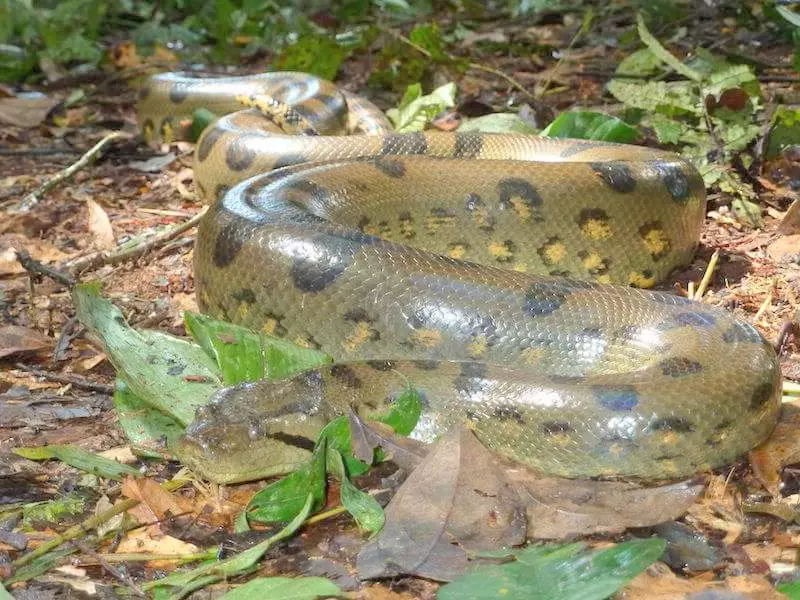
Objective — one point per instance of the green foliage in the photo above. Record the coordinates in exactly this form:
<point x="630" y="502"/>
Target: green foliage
<point x="53" y="512"/>
<point x="80" y="459"/>
<point x="312" y="53"/>
<point x="564" y="571"/>
<point x="284" y="588"/>
<point x="785" y="131"/>
<point x="416" y="111"/>
<point x="589" y="125"/>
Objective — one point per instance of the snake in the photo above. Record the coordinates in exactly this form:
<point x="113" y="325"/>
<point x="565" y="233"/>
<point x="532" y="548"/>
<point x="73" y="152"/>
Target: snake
<point x="502" y="277"/>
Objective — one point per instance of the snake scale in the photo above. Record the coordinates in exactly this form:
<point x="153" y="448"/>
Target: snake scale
<point x="499" y="275"/>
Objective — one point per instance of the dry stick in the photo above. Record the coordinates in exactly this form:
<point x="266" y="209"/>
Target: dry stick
<point x="109" y="568"/>
<point x="74" y="380"/>
<point x="34" y="267"/>
<point x="510" y="80"/>
<point x="32" y="199"/>
<point x="712" y="264"/>
<point x="119" y="255"/>
<point x="76" y="531"/>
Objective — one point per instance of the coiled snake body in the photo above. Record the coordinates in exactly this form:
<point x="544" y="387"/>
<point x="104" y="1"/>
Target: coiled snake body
<point x="472" y="266"/>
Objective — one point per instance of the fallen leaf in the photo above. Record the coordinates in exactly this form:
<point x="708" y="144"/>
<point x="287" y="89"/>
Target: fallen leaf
<point x="104" y="504"/>
<point x="146" y="540"/>
<point x="15" y="340"/>
<point x="160" y="502"/>
<point x="781" y="449"/>
<point x="660" y="583"/>
<point x="39" y="249"/>
<point x="26" y="112"/>
<point x="100" y="226"/>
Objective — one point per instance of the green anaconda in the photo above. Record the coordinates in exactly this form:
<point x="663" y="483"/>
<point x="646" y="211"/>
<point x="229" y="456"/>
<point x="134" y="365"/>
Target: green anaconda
<point x="475" y="267"/>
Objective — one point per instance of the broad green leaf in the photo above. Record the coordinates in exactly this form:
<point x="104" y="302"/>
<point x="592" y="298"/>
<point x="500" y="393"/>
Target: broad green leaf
<point x="201" y="118"/>
<point x="429" y="37"/>
<point x="747" y="212"/>
<point x="239" y="564"/>
<point x="791" y="16"/>
<point x="498" y="123"/>
<point x="319" y="55"/>
<point x="284" y="588"/>
<point x="791" y="590"/>
<point x="641" y="62"/>
<point x="735" y="76"/>
<point x="4" y="595"/>
<point x="284" y="499"/>
<point x="566" y="572"/>
<point x="668" y="131"/>
<point x="662" y="53"/>
<point x="785" y="131"/>
<point x="405" y="412"/>
<point x="245" y="355"/>
<point x="416" y="111"/>
<point x="337" y="434"/>
<point x="40" y="565"/>
<point x="53" y="512"/>
<point x="150" y="432"/>
<point x="658" y="96"/>
<point x="589" y="125"/>
<point x="364" y="508"/>
<point x="169" y="374"/>
<point x="80" y="459"/>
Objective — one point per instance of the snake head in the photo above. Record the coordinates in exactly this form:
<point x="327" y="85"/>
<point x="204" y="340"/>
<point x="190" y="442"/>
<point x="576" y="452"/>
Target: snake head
<point x="252" y="431"/>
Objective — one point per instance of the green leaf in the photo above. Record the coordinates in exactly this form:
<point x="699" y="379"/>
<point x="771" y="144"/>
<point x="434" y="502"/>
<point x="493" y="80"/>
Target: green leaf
<point x="364" y="508"/>
<point x="785" y="131"/>
<point x="429" y="37"/>
<point x="39" y="565"/>
<point x="149" y="431"/>
<point x="566" y="572"/>
<point x="80" y="459"/>
<point x="171" y="375"/>
<point x="201" y="118"/>
<point x="242" y="563"/>
<point x="641" y="62"/>
<point x="746" y="212"/>
<point x="791" y="590"/>
<point x="405" y="412"/>
<point x="668" y="131"/>
<point x="416" y="111"/>
<point x="245" y="355"/>
<point x="790" y="16"/>
<point x="662" y="53"/>
<point x="53" y="512"/>
<point x="732" y="77"/>
<point x="590" y="125"/>
<point x="337" y="434"/>
<point x="284" y="588"/>
<point x="4" y="595"/>
<point x="284" y="499"/>
<point x="312" y="53"/>
<point x="498" y="123"/>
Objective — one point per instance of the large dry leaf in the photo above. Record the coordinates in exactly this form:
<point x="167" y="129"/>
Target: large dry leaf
<point x="15" y="339"/>
<point x="780" y="450"/>
<point x="160" y="502"/>
<point x="463" y="493"/>
<point x="25" y="112"/>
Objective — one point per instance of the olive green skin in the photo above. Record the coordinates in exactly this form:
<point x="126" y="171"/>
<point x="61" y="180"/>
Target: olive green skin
<point x="478" y="268"/>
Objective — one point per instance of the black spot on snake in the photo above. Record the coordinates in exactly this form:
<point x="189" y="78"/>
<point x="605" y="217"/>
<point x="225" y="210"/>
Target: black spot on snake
<point x="210" y="138"/>
<point x="741" y="332"/>
<point x="556" y="428"/>
<point x="346" y="376"/>
<point x="274" y="321"/>
<point x="358" y="314"/>
<point x="298" y="441"/>
<point x="230" y="239"/>
<point x="508" y="413"/>
<point x="565" y="379"/>
<point x="312" y="190"/>
<point x="544" y="298"/>
<point x="468" y="144"/>
<point x="407" y="143"/>
<point x="560" y="273"/>
<point x="761" y="395"/>
<point x="245" y="295"/>
<point x="240" y="154"/>
<point x="380" y="365"/>
<point x="617" y="175"/>
<point x="679" y="366"/>
<point x="514" y="187"/>
<point x="178" y="93"/>
<point x="324" y="257"/>
<point x="675" y="180"/>
<point x="618" y="398"/>
<point x="676" y="424"/>
<point x="471" y="377"/>
<point x="694" y="319"/>
<point x="390" y="167"/>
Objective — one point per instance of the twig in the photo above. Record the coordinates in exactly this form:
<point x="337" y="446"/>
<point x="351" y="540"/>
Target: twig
<point x="583" y="29"/>
<point x="34" y="267"/>
<point x="472" y="65"/>
<point x="712" y="264"/>
<point x="109" y="568"/>
<point x="75" y="531"/>
<point x="75" y="380"/>
<point x="119" y="255"/>
<point x="32" y="199"/>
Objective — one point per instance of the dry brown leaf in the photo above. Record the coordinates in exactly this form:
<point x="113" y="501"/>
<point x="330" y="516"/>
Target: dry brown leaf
<point x="25" y="112"/>
<point x="39" y="249"/>
<point x="660" y="583"/>
<point x="718" y="509"/>
<point x="781" y="449"/>
<point x="100" y="226"/>
<point x="15" y="340"/>
<point x="160" y="502"/>
<point x="147" y="540"/>
<point x="784" y="248"/>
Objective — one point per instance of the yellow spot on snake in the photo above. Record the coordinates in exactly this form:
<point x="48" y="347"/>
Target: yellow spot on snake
<point x="303" y="342"/>
<point x="167" y="132"/>
<point x="242" y="311"/>
<point x="522" y="208"/>
<point x="433" y="223"/>
<point x="596" y="229"/>
<point x="457" y="251"/>
<point x="483" y="219"/>
<point x="532" y="355"/>
<point x="500" y="251"/>
<point x="361" y="334"/>
<point x="147" y="131"/>
<point x="594" y="262"/>
<point x="429" y="338"/>
<point x="669" y="466"/>
<point x="478" y="347"/>
<point x="553" y="253"/>
<point x="670" y="437"/>
<point x="407" y="228"/>
<point x="604" y="278"/>
<point x="270" y="326"/>
<point x="641" y="279"/>
<point x="520" y="267"/>
<point x="656" y="242"/>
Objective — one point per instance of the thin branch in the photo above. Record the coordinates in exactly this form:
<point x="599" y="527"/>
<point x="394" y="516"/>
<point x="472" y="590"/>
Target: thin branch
<point x="123" y="578"/>
<point x="118" y="255"/>
<point x="67" y="378"/>
<point x="32" y="199"/>
<point x="33" y="266"/>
